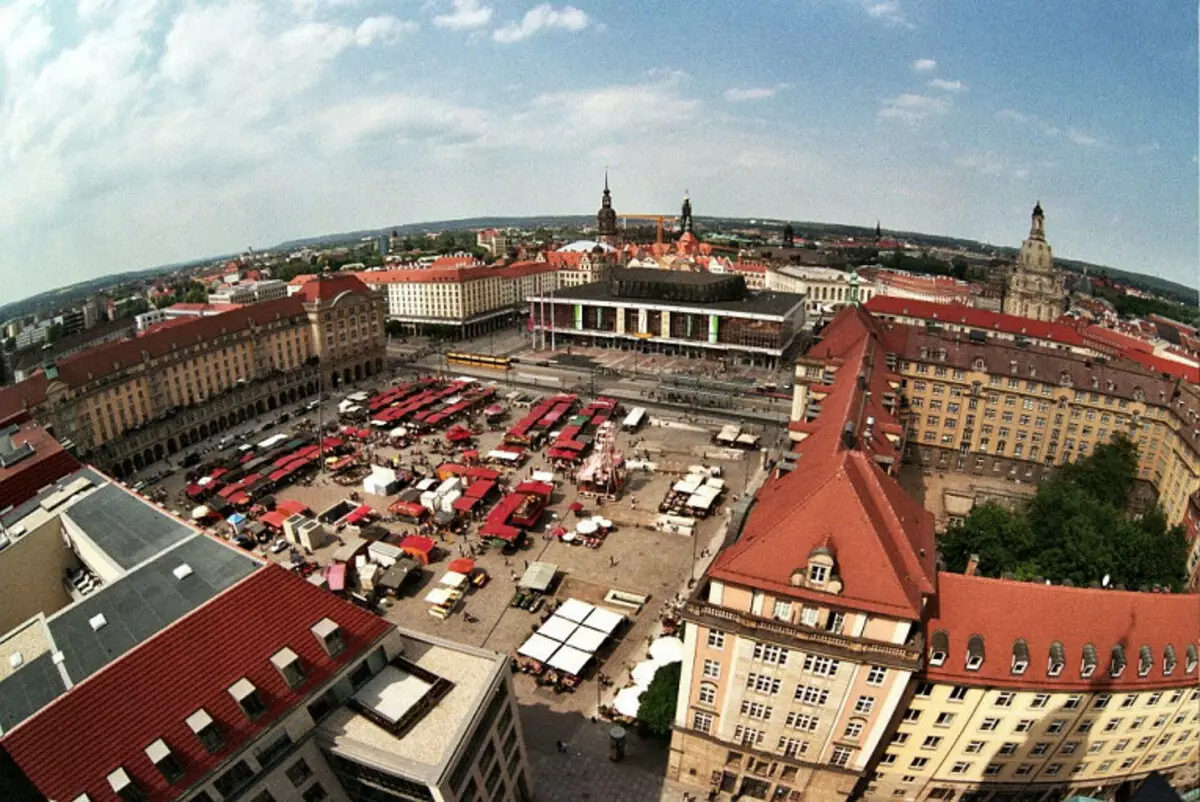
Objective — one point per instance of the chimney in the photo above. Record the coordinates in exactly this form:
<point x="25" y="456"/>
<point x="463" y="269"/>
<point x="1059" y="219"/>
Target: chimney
<point x="972" y="565"/>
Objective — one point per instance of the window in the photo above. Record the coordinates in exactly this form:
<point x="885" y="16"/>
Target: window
<point x="246" y="695"/>
<point x="702" y="722"/>
<point x="1121" y="745"/>
<point x="1039" y="749"/>
<point x="817" y="574"/>
<point x="231" y="781"/>
<point x="769" y="653"/>
<point x="1040" y="701"/>
<point x="1112" y="725"/>
<point x="164" y="760"/>
<point x="1024" y="725"/>
<point x="802" y="721"/>
<point x="756" y="710"/>
<point x="811" y="696"/>
<point x="958" y="693"/>
<point x="708" y="693"/>
<point x="1073" y="702"/>
<point x="288" y="664"/>
<point x="912" y="715"/>
<point x="1005" y="699"/>
<point x="992" y="769"/>
<point x="315" y="793"/>
<point x="1096" y="746"/>
<point x="783" y="611"/>
<point x="924" y="690"/>
<point x="876" y="676"/>
<point x="1009" y="748"/>
<point x="840" y="756"/>
<point x="932" y="742"/>
<point x="299" y="772"/>
<point x="1024" y="769"/>
<point x="712" y="669"/>
<point x="975" y="747"/>
<point x="1056" y="726"/>
<point x="716" y="639"/>
<point x="961" y="767"/>
<point x="989" y="724"/>
<point x="900" y="738"/>
<point x="761" y="683"/>
<point x="865" y="704"/>
<point x="1129" y="700"/>
<point x="330" y="635"/>
<point x="206" y="730"/>
<point x="944" y="720"/>
<point x="854" y="729"/>
<point x="821" y="666"/>
<point x="809" y="616"/>
<point x="918" y="763"/>
<point x="747" y="736"/>
<point x="834" y="622"/>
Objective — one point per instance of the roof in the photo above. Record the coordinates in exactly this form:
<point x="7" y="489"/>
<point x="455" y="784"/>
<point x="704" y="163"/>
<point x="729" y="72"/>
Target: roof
<point x="127" y="529"/>
<point x="327" y="287"/>
<point x="72" y="745"/>
<point x="453" y="275"/>
<point x="959" y="314"/>
<point x="1003" y="611"/>
<point x="35" y="461"/>
<point x="773" y="304"/>
<point x="844" y="502"/>
<point x="585" y="246"/>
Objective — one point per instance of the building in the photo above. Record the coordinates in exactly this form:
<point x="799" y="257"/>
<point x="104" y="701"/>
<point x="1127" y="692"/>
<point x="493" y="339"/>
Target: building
<point x="249" y="292"/>
<point x="30" y="459"/>
<point x="127" y="404"/>
<point x="494" y="240"/>
<point x="32" y="335"/>
<point x="470" y="299"/>
<point x="1035" y="289"/>
<point x="826" y="657"/>
<point x="23" y="364"/>
<point x="697" y="314"/>
<point x="582" y="262"/>
<point x="147" y="319"/>
<point x="826" y="290"/>
<point x="934" y="289"/>
<point x="805" y="631"/>
<point x="606" y="218"/>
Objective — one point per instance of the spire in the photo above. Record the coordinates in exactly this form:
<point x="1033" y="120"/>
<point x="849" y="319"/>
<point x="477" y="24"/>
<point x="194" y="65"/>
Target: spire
<point x="878" y="232"/>
<point x="1037" y="229"/>
<point x="606" y="179"/>
<point x="685" y="216"/>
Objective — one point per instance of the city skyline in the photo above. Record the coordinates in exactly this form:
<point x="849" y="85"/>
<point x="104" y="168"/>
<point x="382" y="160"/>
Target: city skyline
<point x="143" y="133"/>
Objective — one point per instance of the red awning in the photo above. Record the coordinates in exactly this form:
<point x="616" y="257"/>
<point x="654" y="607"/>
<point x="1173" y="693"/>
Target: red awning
<point x="359" y="514"/>
<point x="275" y="476"/>
<point x="193" y="491"/>
<point x="291" y="506"/>
<point x="417" y="543"/>
<point x="274" y="519"/>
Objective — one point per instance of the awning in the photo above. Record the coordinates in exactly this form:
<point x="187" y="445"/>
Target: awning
<point x="605" y="621"/>
<point x="538" y="576"/>
<point x="274" y="519"/>
<point x="575" y="610"/>
<point x="359" y="514"/>
<point x="439" y="596"/>
<point x="538" y="647"/>
<point x="587" y="640"/>
<point x="454" y="579"/>
<point x="570" y="660"/>
<point x="417" y="543"/>
<point x="394" y="577"/>
<point x="463" y="565"/>
<point x="556" y="628"/>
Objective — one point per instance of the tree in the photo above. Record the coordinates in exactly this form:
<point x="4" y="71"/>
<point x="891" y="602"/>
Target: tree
<point x="1078" y="526"/>
<point x="656" y="709"/>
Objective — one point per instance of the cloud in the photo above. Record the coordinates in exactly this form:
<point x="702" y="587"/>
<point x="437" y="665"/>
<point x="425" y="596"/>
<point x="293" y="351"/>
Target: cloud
<point x="467" y="15"/>
<point x="542" y="18"/>
<point x="986" y="163"/>
<point x="924" y="65"/>
<point x="913" y="108"/>
<point x="1149" y="147"/>
<point x="1083" y="139"/>
<point x="754" y="93"/>
<point x="949" y="86"/>
<point x="888" y="12"/>
<point x="1021" y="172"/>
<point x="384" y="28"/>
<point x="1010" y="114"/>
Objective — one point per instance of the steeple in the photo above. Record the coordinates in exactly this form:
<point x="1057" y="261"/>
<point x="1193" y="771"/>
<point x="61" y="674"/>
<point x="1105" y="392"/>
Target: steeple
<point x="685" y="216"/>
<point x="1037" y="229"/>
<point x="606" y="218"/>
<point x="878" y="231"/>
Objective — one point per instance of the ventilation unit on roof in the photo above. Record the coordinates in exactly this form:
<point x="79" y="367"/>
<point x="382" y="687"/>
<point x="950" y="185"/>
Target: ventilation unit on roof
<point x="15" y="659"/>
<point x="182" y="571"/>
<point x="98" y="622"/>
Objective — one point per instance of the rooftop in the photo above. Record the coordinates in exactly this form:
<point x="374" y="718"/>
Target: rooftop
<point x="30" y="458"/>
<point x="149" y="693"/>
<point x="428" y="747"/>
<point x="125" y="528"/>
<point x="968" y="316"/>
<point x="770" y="304"/>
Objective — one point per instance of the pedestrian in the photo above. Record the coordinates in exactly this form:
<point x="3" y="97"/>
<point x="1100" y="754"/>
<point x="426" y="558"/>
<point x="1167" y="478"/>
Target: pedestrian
<point x="612" y="561"/>
<point x="559" y="746"/>
<point x="527" y="565"/>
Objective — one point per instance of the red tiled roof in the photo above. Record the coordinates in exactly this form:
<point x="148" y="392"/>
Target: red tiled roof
<point x="48" y="463"/>
<point x="328" y="287"/>
<point x="454" y="274"/>
<point x="958" y="314"/>
<point x="1003" y="611"/>
<point x="108" y="720"/>
<point x="1174" y="369"/>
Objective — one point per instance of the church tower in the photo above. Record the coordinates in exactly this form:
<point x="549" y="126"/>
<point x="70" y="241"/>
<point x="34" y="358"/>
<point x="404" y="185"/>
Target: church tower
<point x="685" y="216"/>
<point x="606" y="218"/>
<point x="1034" y="288"/>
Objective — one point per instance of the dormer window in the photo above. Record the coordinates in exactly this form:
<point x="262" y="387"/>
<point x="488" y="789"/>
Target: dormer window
<point x="1088" y="666"/>
<point x="164" y="760"/>
<point x="1145" y="661"/>
<point x="939" y="647"/>
<point x="1020" y="659"/>
<point x="1192" y="658"/>
<point x="288" y="664"/>
<point x="330" y="636"/>
<point x="124" y="788"/>
<point x="1168" y="659"/>
<point x="246" y="695"/>
<point x="206" y="730"/>
<point x="1057" y="659"/>
<point x="974" y="652"/>
<point x="817" y="574"/>
<point x="1117" y="667"/>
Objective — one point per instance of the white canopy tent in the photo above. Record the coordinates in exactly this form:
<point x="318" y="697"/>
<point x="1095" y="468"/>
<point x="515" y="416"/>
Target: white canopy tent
<point x="603" y="620"/>
<point x="454" y="579"/>
<point x="587" y="640"/>
<point x="438" y="595"/>
<point x="538" y="647"/>
<point x="644" y="672"/>
<point x="557" y="628"/>
<point x="569" y="659"/>
<point x="575" y="610"/>
<point x="628" y="700"/>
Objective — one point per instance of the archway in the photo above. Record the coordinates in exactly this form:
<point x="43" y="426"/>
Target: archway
<point x="260" y="406"/>
<point x="346" y="374"/>
<point x="137" y="462"/>
<point x="358" y="374"/>
<point x="222" y="422"/>
<point x="172" y="446"/>
<point x="158" y="451"/>
<point x="310" y="388"/>
<point x="378" y="364"/>
<point x="335" y="379"/>
<point x="148" y="456"/>
<point x="117" y="472"/>
<point x="203" y="430"/>
<point x="282" y="398"/>
<point x="368" y="368"/>
<point x="271" y="402"/>
<point x="292" y="394"/>
<point x="193" y="436"/>
<point x="127" y="467"/>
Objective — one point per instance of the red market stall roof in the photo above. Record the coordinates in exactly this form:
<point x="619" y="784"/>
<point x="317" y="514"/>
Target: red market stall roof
<point x="217" y="473"/>
<point x="274" y="519"/>
<point x="291" y="506"/>
<point x="452" y="469"/>
<point x="481" y="472"/>
<point x="193" y="491"/>
<point x="465" y="503"/>
<point x="535" y="489"/>
<point x="276" y="475"/>
<point x="457" y="433"/>
<point x="463" y="565"/>
<point x="239" y="498"/>
<point x="359" y="514"/>
<point x="410" y="509"/>
<point x="420" y="543"/>
<point x="336" y="575"/>
<point x="480" y="489"/>
<point x="471" y="455"/>
<point x="344" y="462"/>
<point x="494" y="410"/>
<point x="333" y="442"/>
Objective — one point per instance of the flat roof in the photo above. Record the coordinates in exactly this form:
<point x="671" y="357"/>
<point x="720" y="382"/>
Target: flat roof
<point x="32" y="508"/>
<point x="35" y="685"/>
<point x="773" y="304"/>
<point x="392" y="693"/>
<point x="425" y="750"/>
<point x="142" y="603"/>
<point x="126" y="528"/>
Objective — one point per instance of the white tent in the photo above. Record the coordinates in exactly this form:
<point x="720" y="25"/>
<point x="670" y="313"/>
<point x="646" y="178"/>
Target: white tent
<point x="438" y="595"/>
<point x="587" y="640"/>
<point x="200" y="512"/>
<point x="543" y="476"/>
<point x="605" y="621"/>
<point x="644" y="672"/>
<point x="538" y="647"/>
<point x="667" y="650"/>
<point x="570" y="660"/>
<point x="575" y="610"/>
<point x="558" y="629"/>
<point x="628" y="700"/>
<point x="454" y="579"/>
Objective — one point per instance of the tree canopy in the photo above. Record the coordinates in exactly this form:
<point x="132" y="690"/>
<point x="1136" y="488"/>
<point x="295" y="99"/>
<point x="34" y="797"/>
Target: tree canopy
<point x="656" y="708"/>
<point x="1078" y="526"/>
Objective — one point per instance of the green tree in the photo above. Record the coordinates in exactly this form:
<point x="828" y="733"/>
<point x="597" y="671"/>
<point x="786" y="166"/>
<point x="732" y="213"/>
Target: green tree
<point x="193" y="293"/>
<point x="656" y="709"/>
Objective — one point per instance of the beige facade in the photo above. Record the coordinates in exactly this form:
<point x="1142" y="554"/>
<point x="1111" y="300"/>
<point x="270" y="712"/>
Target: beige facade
<point x="457" y="296"/>
<point x="1035" y="289"/>
<point x="827" y="290"/>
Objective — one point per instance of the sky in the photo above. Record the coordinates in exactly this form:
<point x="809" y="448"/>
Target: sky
<point x="142" y="132"/>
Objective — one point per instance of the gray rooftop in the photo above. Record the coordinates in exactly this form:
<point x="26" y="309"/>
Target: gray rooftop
<point x="26" y="691"/>
<point x="775" y="304"/>
<point x="12" y="516"/>
<point x="144" y="602"/>
<point x="127" y="529"/>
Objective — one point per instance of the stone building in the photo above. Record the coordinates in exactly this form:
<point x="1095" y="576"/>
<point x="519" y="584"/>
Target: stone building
<point x="1035" y="289"/>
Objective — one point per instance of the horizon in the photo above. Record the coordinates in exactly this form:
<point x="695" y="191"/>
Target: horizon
<point x="139" y="135"/>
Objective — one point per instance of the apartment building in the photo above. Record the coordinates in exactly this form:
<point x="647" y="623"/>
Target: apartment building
<point x="471" y="299"/>
<point x="249" y="292"/>
<point x="827" y="290"/>
<point x="127" y="404"/>
<point x="1034" y="691"/>
<point x="804" y="633"/>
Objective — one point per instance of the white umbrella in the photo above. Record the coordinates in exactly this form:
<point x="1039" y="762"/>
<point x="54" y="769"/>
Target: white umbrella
<point x="627" y="700"/>
<point x="644" y="672"/>
<point x="667" y="650"/>
<point x="199" y="512"/>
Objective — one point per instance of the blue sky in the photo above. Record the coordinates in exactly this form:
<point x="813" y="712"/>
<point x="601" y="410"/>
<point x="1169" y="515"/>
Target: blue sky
<point x="138" y="132"/>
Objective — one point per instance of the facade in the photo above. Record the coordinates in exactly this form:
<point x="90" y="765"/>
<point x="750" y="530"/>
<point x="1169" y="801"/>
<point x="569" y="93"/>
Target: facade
<point x="827" y="658"/>
<point x="934" y="289"/>
<point x="147" y="319"/>
<point x="582" y="262"/>
<point x="695" y="314"/>
<point x="471" y="299"/>
<point x="1035" y="289"/>
<point x="250" y="292"/>
<point x="826" y="289"/>
<point x="494" y="240"/>
<point x="127" y="404"/>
